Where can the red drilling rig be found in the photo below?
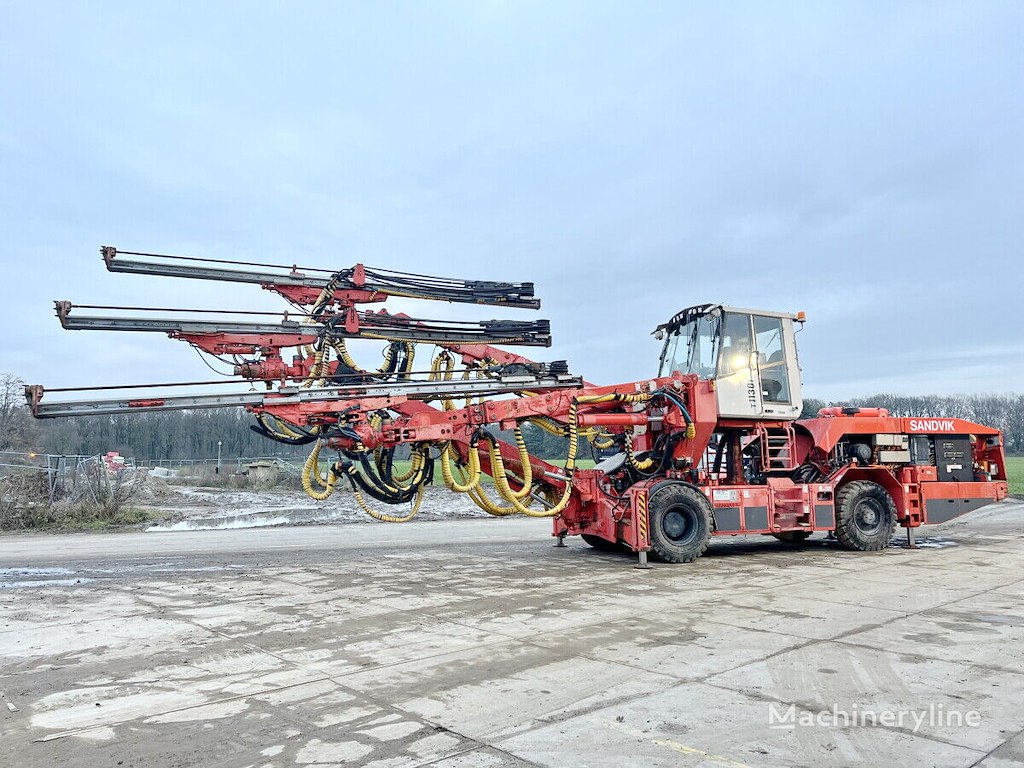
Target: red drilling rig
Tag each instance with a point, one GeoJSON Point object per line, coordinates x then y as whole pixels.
{"type": "Point", "coordinates": [712, 446]}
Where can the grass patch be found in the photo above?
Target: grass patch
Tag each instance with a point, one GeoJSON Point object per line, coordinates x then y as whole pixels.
{"type": "Point", "coordinates": [117, 519]}
{"type": "Point", "coordinates": [77, 516]}
{"type": "Point", "coordinates": [1015, 474]}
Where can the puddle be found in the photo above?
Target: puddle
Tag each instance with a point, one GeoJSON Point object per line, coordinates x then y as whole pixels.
{"type": "Point", "coordinates": [10, 573]}
{"type": "Point", "coordinates": [23, 578]}
{"type": "Point", "coordinates": [260, 519]}
{"type": "Point", "coordinates": [929, 543]}
{"type": "Point", "coordinates": [43, 583]}
{"type": "Point", "coordinates": [225, 522]}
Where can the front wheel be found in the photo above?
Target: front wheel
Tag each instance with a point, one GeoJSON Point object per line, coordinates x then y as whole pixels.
{"type": "Point", "coordinates": [865, 516]}
{"type": "Point", "coordinates": [681, 523]}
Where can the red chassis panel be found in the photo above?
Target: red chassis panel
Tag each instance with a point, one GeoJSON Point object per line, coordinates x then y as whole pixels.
{"type": "Point", "coordinates": [781, 505]}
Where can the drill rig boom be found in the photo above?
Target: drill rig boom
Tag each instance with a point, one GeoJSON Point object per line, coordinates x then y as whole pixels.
{"type": "Point", "coordinates": [350, 325]}
{"type": "Point", "coordinates": [714, 445]}
{"type": "Point", "coordinates": [359, 283]}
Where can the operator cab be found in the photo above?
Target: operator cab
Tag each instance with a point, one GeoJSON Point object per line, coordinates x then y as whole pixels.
{"type": "Point", "coordinates": [749, 354]}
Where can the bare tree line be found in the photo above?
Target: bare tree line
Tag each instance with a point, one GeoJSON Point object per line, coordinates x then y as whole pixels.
{"type": "Point", "coordinates": [163, 436]}
{"type": "Point", "coordinates": [17, 429]}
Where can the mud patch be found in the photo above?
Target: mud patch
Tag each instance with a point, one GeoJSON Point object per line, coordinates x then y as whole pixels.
{"type": "Point", "coordinates": [22, 578]}
{"type": "Point", "coordinates": [192, 509]}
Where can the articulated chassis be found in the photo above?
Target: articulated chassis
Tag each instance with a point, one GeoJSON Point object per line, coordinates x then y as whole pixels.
{"type": "Point", "coordinates": [677, 475]}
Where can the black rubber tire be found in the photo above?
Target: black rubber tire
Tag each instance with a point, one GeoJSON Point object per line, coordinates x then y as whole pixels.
{"type": "Point", "coordinates": [793, 537]}
{"type": "Point", "coordinates": [681, 523]}
{"type": "Point", "coordinates": [602, 545]}
{"type": "Point", "coordinates": [865, 516]}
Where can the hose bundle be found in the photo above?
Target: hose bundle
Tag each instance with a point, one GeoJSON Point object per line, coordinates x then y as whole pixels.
{"type": "Point", "coordinates": [371, 473]}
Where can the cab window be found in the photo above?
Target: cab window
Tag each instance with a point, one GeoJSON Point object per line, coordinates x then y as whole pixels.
{"type": "Point", "coordinates": [771, 357]}
{"type": "Point", "coordinates": [692, 348]}
{"type": "Point", "coordinates": [736, 345]}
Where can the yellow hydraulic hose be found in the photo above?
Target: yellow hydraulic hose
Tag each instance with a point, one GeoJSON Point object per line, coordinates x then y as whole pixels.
{"type": "Point", "coordinates": [317, 370]}
{"type": "Point", "coordinates": [386, 518]}
{"type": "Point", "coordinates": [500, 476]}
{"type": "Point", "coordinates": [549, 425]}
{"type": "Point", "coordinates": [601, 441]}
{"type": "Point", "coordinates": [474, 488]}
{"type": "Point", "coordinates": [555, 428]}
{"type": "Point", "coordinates": [375, 420]}
{"type": "Point", "coordinates": [280, 428]}
{"type": "Point", "coordinates": [342, 352]}
{"type": "Point", "coordinates": [442, 368]}
{"type": "Point", "coordinates": [311, 467]}
{"type": "Point", "coordinates": [310, 470]}
{"type": "Point", "coordinates": [469, 480]}
{"type": "Point", "coordinates": [326, 294]}
{"type": "Point", "coordinates": [524, 459]}
{"type": "Point", "coordinates": [416, 464]}
{"type": "Point", "coordinates": [410, 355]}
{"type": "Point", "coordinates": [473, 466]}
{"type": "Point", "coordinates": [616, 397]}
{"type": "Point", "coordinates": [480, 499]}
{"type": "Point", "coordinates": [506, 492]}
{"type": "Point", "coordinates": [631, 457]}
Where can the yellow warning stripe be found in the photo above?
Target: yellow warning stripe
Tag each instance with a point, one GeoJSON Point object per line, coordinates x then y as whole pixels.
{"type": "Point", "coordinates": [641, 519]}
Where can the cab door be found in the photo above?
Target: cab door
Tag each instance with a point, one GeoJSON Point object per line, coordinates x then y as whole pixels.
{"type": "Point", "coordinates": [777, 373]}
{"type": "Point", "coordinates": [772, 365]}
{"type": "Point", "coordinates": [738, 380]}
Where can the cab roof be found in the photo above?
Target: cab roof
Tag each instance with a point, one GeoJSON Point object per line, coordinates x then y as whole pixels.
{"type": "Point", "coordinates": [700, 310]}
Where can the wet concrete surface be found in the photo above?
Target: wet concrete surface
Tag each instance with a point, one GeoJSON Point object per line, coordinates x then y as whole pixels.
{"type": "Point", "coordinates": [476, 643]}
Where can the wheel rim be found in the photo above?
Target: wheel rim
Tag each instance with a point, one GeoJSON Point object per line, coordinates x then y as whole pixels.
{"type": "Point", "coordinates": [679, 525]}
{"type": "Point", "coordinates": [869, 517]}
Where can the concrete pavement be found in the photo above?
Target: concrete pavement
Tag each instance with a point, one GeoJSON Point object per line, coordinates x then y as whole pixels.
{"type": "Point", "coordinates": [476, 643]}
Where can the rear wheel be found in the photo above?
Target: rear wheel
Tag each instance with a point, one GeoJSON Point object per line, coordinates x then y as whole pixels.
{"type": "Point", "coordinates": [865, 516]}
{"type": "Point", "coordinates": [681, 523]}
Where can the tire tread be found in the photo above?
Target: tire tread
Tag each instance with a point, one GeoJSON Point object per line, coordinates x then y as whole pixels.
{"type": "Point", "coordinates": [846, 531]}
{"type": "Point", "coordinates": [664, 552]}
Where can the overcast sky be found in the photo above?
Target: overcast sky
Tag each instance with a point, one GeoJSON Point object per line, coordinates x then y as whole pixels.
{"type": "Point", "coordinates": [861, 162]}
